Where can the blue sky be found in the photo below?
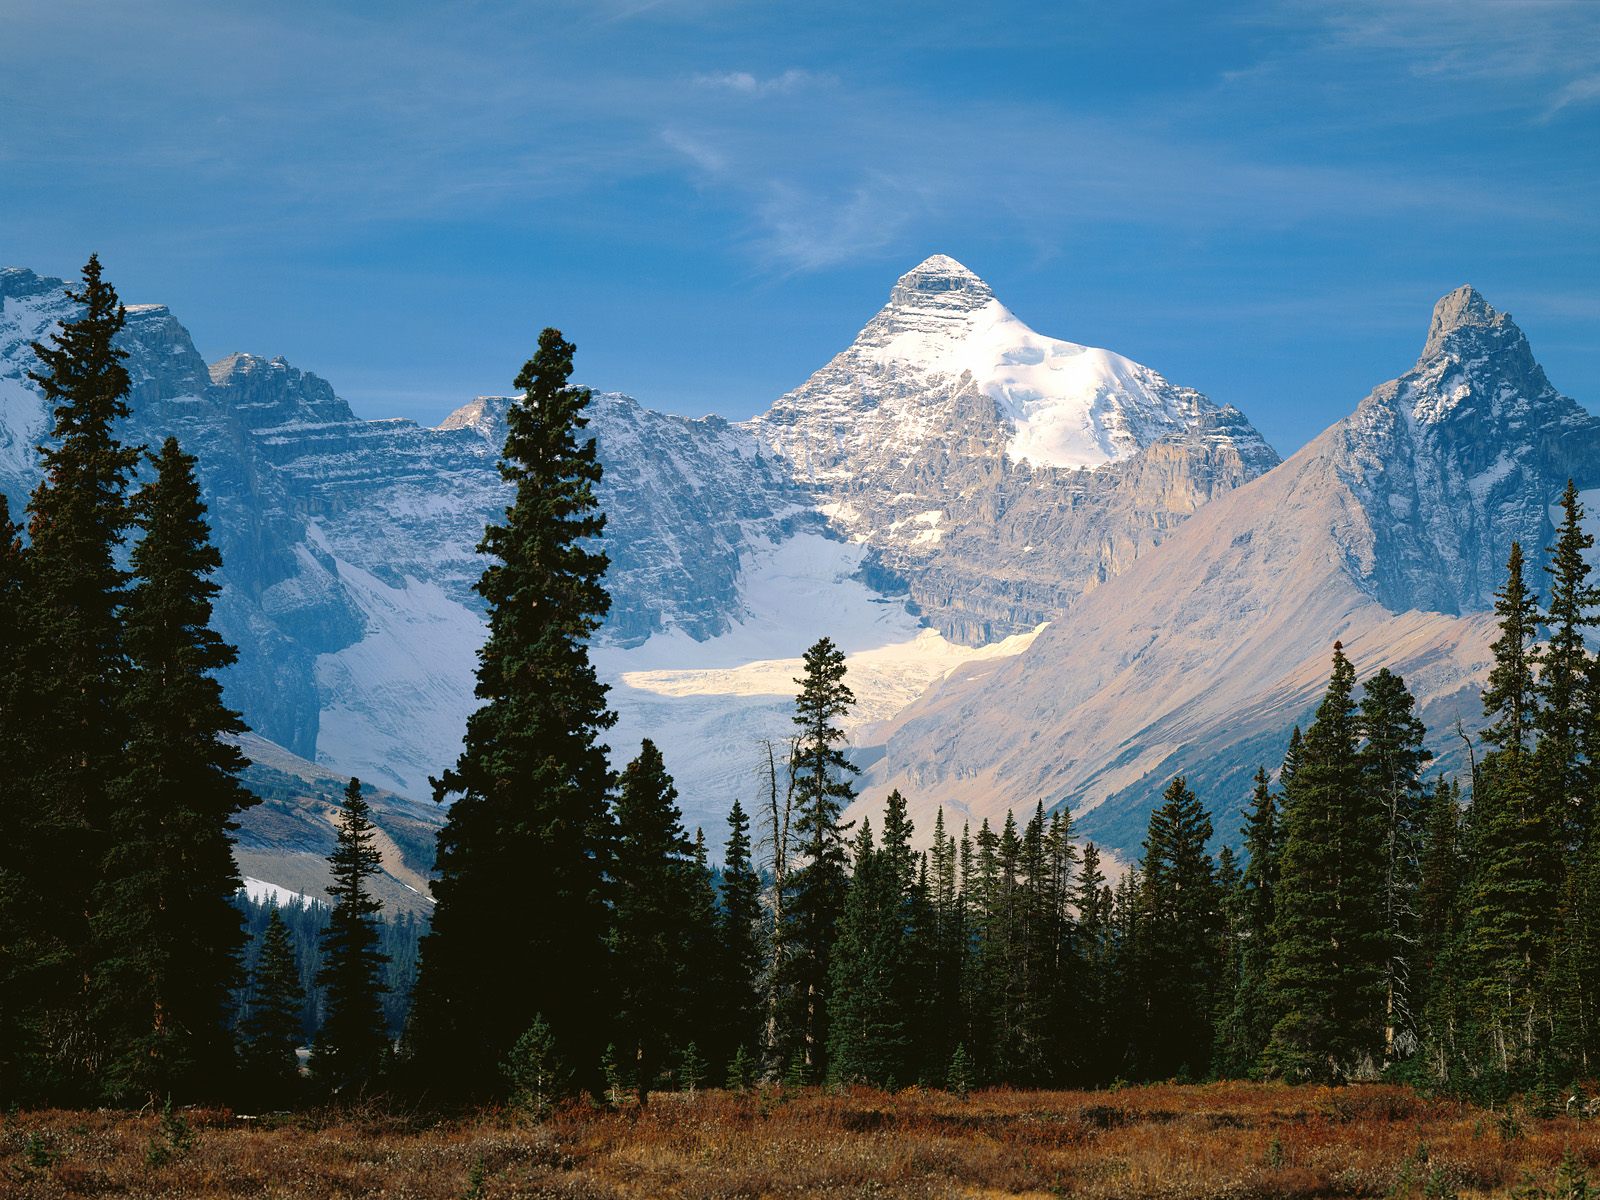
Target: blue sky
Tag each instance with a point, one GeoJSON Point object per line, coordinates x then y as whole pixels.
{"type": "Point", "coordinates": [1260, 200]}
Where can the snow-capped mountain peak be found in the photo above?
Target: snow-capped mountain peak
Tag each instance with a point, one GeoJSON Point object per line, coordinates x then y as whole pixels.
{"type": "Point", "coordinates": [944, 335]}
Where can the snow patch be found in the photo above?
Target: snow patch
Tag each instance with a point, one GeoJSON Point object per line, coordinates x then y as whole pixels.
{"type": "Point", "coordinates": [262, 892]}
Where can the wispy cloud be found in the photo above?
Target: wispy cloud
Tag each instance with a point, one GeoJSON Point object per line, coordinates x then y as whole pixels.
{"type": "Point", "coordinates": [747, 83]}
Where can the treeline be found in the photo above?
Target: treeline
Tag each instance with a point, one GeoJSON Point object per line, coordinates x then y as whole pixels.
{"type": "Point", "coordinates": [305, 924]}
{"type": "Point", "coordinates": [1376, 923]}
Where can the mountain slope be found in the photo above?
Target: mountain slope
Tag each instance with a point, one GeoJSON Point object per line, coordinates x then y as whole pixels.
{"type": "Point", "coordinates": [1000, 472]}
{"type": "Point", "coordinates": [1389, 531]}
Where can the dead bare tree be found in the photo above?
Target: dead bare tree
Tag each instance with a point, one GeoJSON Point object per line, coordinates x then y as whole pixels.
{"type": "Point", "coordinates": [775, 839]}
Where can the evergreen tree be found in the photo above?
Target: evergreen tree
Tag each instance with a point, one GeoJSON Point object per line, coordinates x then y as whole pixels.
{"type": "Point", "coordinates": [1330, 953]}
{"type": "Point", "coordinates": [944, 1025]}
{"type": "Point", "coordinates": [655, 880]}
{"type": "Point", "coordinates": [1249, 1021]}
{"type": "Point", "coordinates": [1092, 1022]}
{"type": "Point", "coordinates": [166, 934]}
{"type": "Point", "coordinates": [1392, 758]}
{"type": "Point", "coordinates": [1180, 935]}
{"type": "Point", "coordinates": [739, 933]}
{"type": "Point", "coordinates": [819, 884]}
{"type": "Point", "coordinates": [16, 950]}
{"type": "Point", "coordinates": [869, 1032]}
{"type": "Point", "coordinates": [271, 1027]}
{"type": "Point", "coordinates": [1564, 665]}
{"type": "Point", "coordinates": [520, 925]}
{"type": "Point", "coordinates": [352, 1044]}
{"type": "Point", "coordinates": [1436, 969]}
{"type": "Point", "coordinates": [74, 675]}
{"type": "Point", "coordinates": [1511, 698]}
{"type": "Point", "coordinates": [1515, 887]}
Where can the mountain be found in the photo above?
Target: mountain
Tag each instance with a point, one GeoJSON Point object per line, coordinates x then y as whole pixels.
{"type": "Point", "coordinates": [1000, 472]}
{"type": "Point", "coordinates": [943, 487]}
{"type": "Point", "coordinates": [1389, 531]}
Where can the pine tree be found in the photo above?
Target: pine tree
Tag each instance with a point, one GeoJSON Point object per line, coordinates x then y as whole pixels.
{"type": "Point", "coordinates": [817, 888]}
{"type": "Point", "coordinates": [271, 1027]}
{"type": "Point", "coordinates": [1392, 758]}
{"type": "Point", "coordinates": [166, 934]}
{"type": "Point", "coordinates": [74, 673]}
{"type": "Point", "coordinates": [1330, 954]}
{"type": "Point", "coordinates": [739, 934]}
{"type": "Point", "coordinates": [352, 1044]}
{"type": "Point", "coordinates": [1517, 860]}
{"type": "Point", "coordinates": [869, 1034]}
{"type": "Point", "coordinates": [655, 880]}
{"type": "Point", "coordinates": [1180, 936]}
{"type": "Point", "coordinates": [1436, 967]}
{"type": "Point", "coordinates": [520, 923]}
{"type": "Point", "coordinates": [1248, 1025]}
{"type": "Point", "coordinates": [949, 949]}
{"type": "Point", "coordinates": [1564, 665]}
{"type": "Point", "coordinates": [16, 917]}
{"type": "Point", "coordinates": [1091, 900]}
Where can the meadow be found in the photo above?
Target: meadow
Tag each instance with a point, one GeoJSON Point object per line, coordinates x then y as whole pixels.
{"type": "Point", "coordinates": [1171, 1141]}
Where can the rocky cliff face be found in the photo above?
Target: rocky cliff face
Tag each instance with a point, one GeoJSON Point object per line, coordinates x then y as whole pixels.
{"type": "Point", "coordinates": [1001, 473]}
{"type": "Point", "coordinates": [349, 545]}
{"type": "Point", "coordinates": [1199, 658]}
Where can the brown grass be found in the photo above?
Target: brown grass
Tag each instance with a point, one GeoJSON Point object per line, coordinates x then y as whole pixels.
{"type": "Point", "coordinates": [1224, 1140]}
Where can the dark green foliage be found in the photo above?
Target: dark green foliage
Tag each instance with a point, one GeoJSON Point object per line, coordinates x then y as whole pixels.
{"type": "Point", "coordinates": [16, 915]}
{"type": "Point", "coordinates": [656, 884]}
{"type": "Point", "coordinates": [352, 1044]}
{"type": "Point", "coordinates": [817, 887]}
{"type": "Point", "coordinates": [1180, 931]}
{"type": "Point", "coordinates": [1516, 856]}
{"type": "Point", "coordinates": [1330, 954]}
{"type": "Point", "coordinates": [74, 673]}
{"type": "Point", "coordinates": [398, 938]}
{"type": "Point", "coordinates": [166, 935]}
{"type": "Point", "coordinates": [534, 1072]}
{"type": "Point", "coordinates": [521, 922]}
{"type": "Point", "coordinates": [1247, 1023]}
{"type": "Point", "coordinates": [873, 986]}
{"type": "Point", "coordinates": [271, 1029]}
{"type": "Point", "coordinates": [1093, 1019]}
{"type": "Point", "coordinates": [1564, 666]}
{"type": "Point", "coordinates": [1392, 758]}
{"type": "Point", "coordinates": [738, 934]}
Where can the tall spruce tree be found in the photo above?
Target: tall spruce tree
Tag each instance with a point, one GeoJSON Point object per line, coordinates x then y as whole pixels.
{"type": "Point", "coordinates": [1249, 1021]}
{"type": "Point", "coordinates": [1092, 1019]}
{"type": "Point", "coordinates": [16, 916]}
{"type": "Point", "coordinates": [1564, 665]}
{"type": "Point", "coordinates": [75, 674]}
{"type": "Point", "coordinates": [520, 925]}
{"type": "Point", "coordinates": [655, 883]}
{"type": "Point", "coordinates": [166, 934]}
{"type": "Point", "coordinates": [1517, 859]}
{"type": "Point", "coordinates": [869, 1031]}
{"type": "Point", "coordinates": [270, 1031]}
{"type": "Point", "coordinates": [1392, 758]}
{"type": "Point", "coordinates": [1330, 953]}
{"type": "Point", "coordinates": [739, 933]}
{"type": "Point", "coordinates": [945, 1027]}
{"type": "Point", "coordinates": [1180, 936]}
{"type": "Point", "coordinates": [818, 886]}
{"type": "Point", "coordinates": [352, 1044]}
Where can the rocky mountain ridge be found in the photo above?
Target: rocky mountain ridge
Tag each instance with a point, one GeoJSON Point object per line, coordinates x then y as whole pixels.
{"type": "Point", "coordinates": [1001, 473]}
{"type": "Point", "coordinates": [1389, 532]}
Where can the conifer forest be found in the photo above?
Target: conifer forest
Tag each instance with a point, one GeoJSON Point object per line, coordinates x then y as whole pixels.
{"type": "Point", "coordinates": [1377, 932]}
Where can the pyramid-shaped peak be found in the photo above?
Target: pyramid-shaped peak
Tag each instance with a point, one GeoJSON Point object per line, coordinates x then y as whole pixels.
{"type": "Point", "coordinates": [938, 274]}
{"type": "Point", "coordinates": [1464, 308]}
